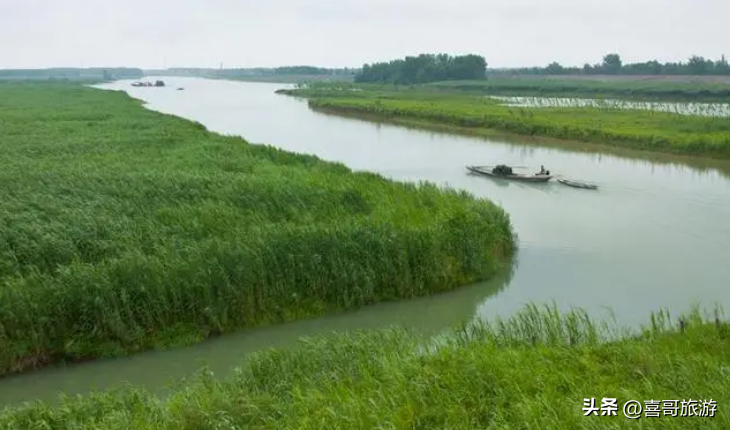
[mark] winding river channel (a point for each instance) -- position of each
(656, 234)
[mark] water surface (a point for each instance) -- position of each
(655, 235)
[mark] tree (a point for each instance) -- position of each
(699, 66)
(423, 68)
(611, 64)
(722, 67)
(555, 68)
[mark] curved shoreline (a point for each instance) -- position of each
(226, 236)
(503, 374)
(453, 118)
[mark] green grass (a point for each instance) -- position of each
(530, 372)
(122, 229)
(634, 129)
(624, 87)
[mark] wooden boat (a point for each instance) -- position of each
(577, 184)
(487, 171)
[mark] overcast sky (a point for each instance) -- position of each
(338, 33)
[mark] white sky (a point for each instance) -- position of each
(338, 33)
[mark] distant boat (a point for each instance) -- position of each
(495, 172)
(577, 184)
(180, 88)
(149, 84)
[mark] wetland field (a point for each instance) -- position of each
(124, 229)
(687, 129)
(533, 371)
(128, 225)
(656, 88)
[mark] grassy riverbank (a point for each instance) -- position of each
(123, 229)
(531, 372)
(668, 88)
(634, 129)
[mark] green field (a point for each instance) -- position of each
(675, 88)
(531, 372)
(122, 229)
(634, 129)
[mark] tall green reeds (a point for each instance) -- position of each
(495, 376)
(122, 229)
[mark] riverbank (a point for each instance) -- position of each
(654, 88)
(126, 229)
(534, 370)
(633, 129)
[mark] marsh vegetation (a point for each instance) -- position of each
(123, 229)
(613, 124)
(524, 372)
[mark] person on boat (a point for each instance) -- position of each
(544, 172)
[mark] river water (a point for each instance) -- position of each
(655, 235)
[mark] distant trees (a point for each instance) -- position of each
(284, 70)
(308, 70)
(424, 68)
(72, 73)
(613, 65)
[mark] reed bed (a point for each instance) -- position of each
(122, 229)
(614, 125)
(532, 371)
(677, 88)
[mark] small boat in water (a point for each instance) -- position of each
(499, 172)
(148, 84)
(577, 184)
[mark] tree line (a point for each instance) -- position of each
(73, 73)
(255, 71)
(423, 68)
(613, 65)
(287, 70)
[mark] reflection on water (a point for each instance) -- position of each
(701, 109)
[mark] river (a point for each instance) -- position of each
(655, 235)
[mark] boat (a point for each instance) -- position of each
(488, 171)
(180, 88)
(148, 84)
(577, 184)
